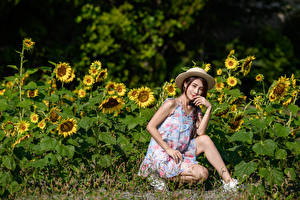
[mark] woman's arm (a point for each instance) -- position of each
(157, 119)
(202, 125)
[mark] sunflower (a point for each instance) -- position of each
(81, 93)
(20, 140)
(259, 77)
(222, 112)
(231, 63)
(88, 80)
(170, 89)
(110, 87)
(22, 126)
(246, 66)
(234, 108)
(280, 88)
(93, 71)
(46, 102)
(102, 75)
(293, 80)
(207, 67)
(70, 78)
(144, 97)
(232, 81)
(28, 43)
(132, 94)
(63, 71)
(54, 117)
(9, 128)
(236, 123)
(112, 104)
(220, 98)
(219, 86)
(294, 93)
(219, 72)
(34, 118)
(257, 101)
(9, 84)
(32, 93)
(121, 89)
(287, 102)
(231, 53)
(272, 97)
(42, 124)
(96, 64)
(2, 92)
(67, 127)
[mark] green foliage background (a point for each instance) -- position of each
(145, 41)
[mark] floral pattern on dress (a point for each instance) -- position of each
(175, 131)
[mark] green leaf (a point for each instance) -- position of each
(130, 121)
(280, 154)
(244, 170)
(266, 147)
(91, 140)
(105, 161)
(51, 159)
(54, 98)
(281, 131)
(3, 105)
(107, 138)
(290, 172)
(53, 63)
(73, 142)
(294, 147)
(32, 71)
(272, 176)
(87, 122)
(293, 108)
(242, 136)
(48, 144)
(124, 143)
(46, 68)
(9, 162)
(13, 66)
(25, 103)
(5, 178)
(31, 85)
(14, 187)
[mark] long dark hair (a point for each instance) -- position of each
(188, 82)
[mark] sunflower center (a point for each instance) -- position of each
(119, 89)
(171, 89)
(101, 75)
(230, 63)
(110, 88)
(143, 96)
(279, 89)
(111, 103)
(53, 116)
(22, 127)
(66, 126)
(31, 93)
(61, 71)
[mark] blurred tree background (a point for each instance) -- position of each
(147, 42)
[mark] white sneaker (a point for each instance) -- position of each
(231, 186)
(157, 183)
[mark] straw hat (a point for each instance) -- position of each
(195, 71)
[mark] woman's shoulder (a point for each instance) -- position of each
(170, 102)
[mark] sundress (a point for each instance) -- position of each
(175, 131)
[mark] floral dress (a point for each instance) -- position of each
(175, 131)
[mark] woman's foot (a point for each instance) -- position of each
(157, 183)
(231, 185)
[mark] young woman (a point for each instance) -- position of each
(178, 136)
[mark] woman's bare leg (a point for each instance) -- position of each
(206, 145)
(195, 173)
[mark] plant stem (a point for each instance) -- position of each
(20, 80)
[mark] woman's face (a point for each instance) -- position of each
(194, 89)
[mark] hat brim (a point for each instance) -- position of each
(181, 77)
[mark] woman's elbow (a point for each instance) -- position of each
(149, 127)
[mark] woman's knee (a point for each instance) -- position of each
(203, 139)
(200, 173)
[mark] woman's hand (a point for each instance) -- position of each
(175, 154)
(199, 100)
